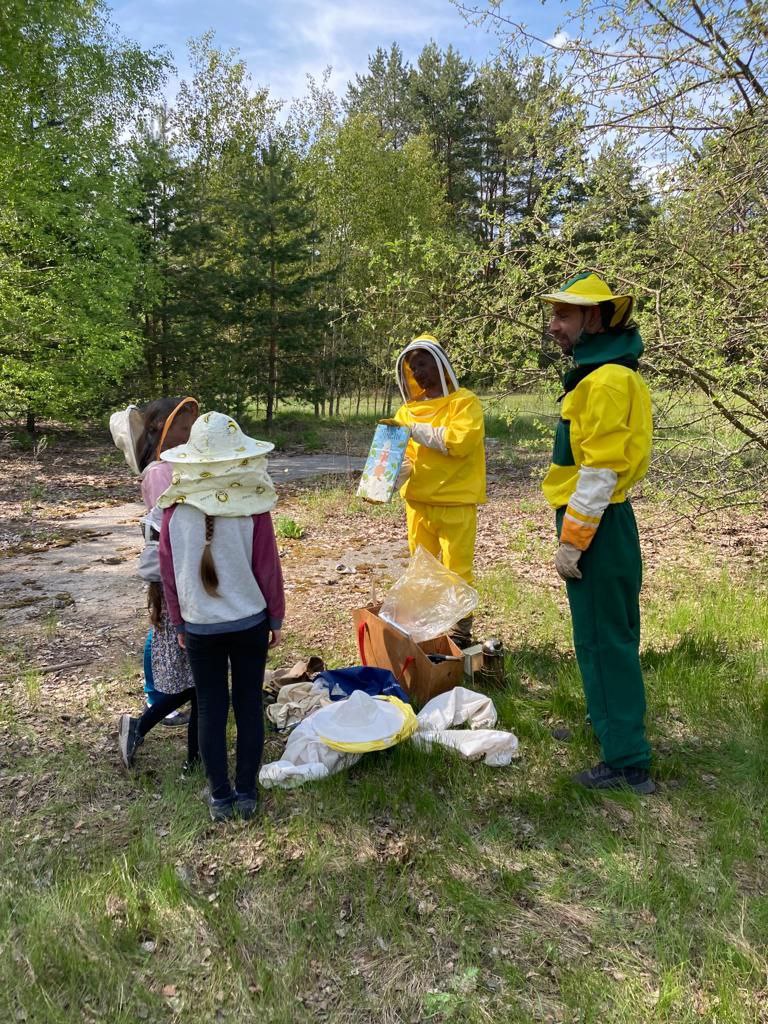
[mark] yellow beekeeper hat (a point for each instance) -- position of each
(587, 289)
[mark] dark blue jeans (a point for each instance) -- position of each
(211, 655)
(164, 704)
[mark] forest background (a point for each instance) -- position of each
(256, 254)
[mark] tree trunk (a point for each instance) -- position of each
(150, 345)
(165, 375)
(272, 359)
(31, 421)
(388, 399)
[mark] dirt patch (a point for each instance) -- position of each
(69, 543)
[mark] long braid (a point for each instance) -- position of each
(155, 603)
(208, 573)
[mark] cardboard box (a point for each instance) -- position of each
(384, 646)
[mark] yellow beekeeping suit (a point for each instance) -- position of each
(445, 486)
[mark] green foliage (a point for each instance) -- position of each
(287, 527)
(68, 90)
(673, 209)
(190, 162)
(275, 304)
(385, 94)
(203, 247)
(446, 98)
(369, 199)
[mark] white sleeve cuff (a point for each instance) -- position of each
(429, 436)
(594, 491)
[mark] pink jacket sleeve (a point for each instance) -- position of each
(156, 479)
(267, 569)
(167, 573)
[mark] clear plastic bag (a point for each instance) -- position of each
(428, 599)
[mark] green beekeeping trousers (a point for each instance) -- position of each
(605, 612)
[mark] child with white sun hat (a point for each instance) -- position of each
(224, 586)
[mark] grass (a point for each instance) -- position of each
(295, 427)
(523, 421)
(287, 527)
(415, 887)
(330, 498)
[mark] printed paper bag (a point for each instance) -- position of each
(384, 462)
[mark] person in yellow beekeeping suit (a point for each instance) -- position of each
(443, 476)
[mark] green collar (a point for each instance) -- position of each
(608, 347)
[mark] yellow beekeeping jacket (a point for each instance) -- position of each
(606, 423)
(457, 478)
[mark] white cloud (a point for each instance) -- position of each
(284, 40)
(342, 33)
(326, 25)
(559, 40)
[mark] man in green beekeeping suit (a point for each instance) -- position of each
(602, 447)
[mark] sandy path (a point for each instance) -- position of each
(90, 586)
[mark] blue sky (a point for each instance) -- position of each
(283, 40)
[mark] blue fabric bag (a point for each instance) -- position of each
(376, 682)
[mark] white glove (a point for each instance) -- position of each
(405, 471)
(567, 562)
(431, 437)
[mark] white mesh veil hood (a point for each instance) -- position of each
(427, 343)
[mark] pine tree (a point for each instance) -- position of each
(275, 301)
(543, 149)
(446, 98)
(499, 86)
(158, 177)
(384, 93)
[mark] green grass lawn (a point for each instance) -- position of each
(690, 439)
(416, 887)
(525, 419)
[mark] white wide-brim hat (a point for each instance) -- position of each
(216, 437)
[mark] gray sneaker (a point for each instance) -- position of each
(220, 808)
(602, 776)
(128, 738)
(246, 805)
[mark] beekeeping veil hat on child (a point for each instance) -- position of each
(126, 428)
(220, 470)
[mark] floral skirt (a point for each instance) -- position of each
(170, 664)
